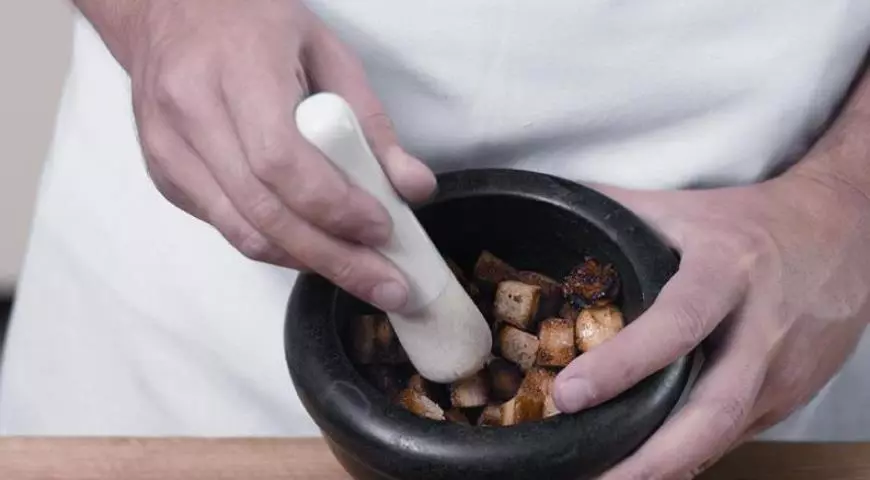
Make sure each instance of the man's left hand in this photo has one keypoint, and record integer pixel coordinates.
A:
(774, 280)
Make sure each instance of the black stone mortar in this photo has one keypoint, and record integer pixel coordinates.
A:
(534, 222)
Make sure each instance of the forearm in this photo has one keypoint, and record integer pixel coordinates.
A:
(842, 155)
(117, 21)
(166, 459)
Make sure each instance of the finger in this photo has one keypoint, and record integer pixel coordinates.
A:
(701, 294)
(184, 181)
(358, 270)
(707, 427)
(332, 67)
(304, 180)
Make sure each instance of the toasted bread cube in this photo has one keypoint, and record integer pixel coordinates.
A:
(522, 408)
(491, 269)
(551, 300)
(434, 391)
(537, 382)
(556, 337)
(595, 325)
(505, 379)
(470, 392)
(472, 289)
(420, 405)
(374, 341)
(456, 415)
(490, 416)
(518, 346)
(550, 409)
(516, 303)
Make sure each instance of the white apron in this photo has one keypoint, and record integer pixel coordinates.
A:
(135, 319)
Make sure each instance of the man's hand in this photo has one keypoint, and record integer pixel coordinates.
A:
(775, 277)
(215, 85)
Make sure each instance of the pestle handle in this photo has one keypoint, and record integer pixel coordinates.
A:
(327, 121)
(442, 330)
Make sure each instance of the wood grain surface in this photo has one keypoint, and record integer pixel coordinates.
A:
(303, 459)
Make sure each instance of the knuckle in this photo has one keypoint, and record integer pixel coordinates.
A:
(251, 244)
(344, 272)
(272, 165)
(728, 413)
(256, 247)
(321, 202)
(266, 213)
(688, 319)
(177, 86)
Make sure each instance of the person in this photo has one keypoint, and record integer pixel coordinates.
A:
(153, 292)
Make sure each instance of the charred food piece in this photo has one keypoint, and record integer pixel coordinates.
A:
(556, 347)
(518, 346)
(505, 379)
(470, 392)
(490, 416)
(568, 311)
(551, 296)
(595, 325)
(375, 342)
(591, 283)
(493, 270)
(516, 303)
(385, 378)
(421, 405)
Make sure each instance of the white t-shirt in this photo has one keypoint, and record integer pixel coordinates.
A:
(135, 319)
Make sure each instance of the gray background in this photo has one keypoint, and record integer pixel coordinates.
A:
(35, 38)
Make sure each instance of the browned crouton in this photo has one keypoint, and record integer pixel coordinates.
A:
(518, 346)
(595, 325)
(470, 392)
(522, 408)
(516, 303)
(556, 337)
(472, 289)
(551, 297)
(490, 417)
(374, 341)
(419, 404)
(491, 269)
(455, 415)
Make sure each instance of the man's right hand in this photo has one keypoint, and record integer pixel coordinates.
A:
(215, 86)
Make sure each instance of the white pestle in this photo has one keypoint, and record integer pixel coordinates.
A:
(441, 329)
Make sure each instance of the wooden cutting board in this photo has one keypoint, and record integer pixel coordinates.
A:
(303, 459)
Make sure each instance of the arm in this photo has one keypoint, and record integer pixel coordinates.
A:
(841, 158)
(116, 21)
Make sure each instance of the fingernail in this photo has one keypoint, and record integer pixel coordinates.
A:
(573, 394)
(390, 296)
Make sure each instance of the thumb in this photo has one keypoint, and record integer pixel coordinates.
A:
(332, 67)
